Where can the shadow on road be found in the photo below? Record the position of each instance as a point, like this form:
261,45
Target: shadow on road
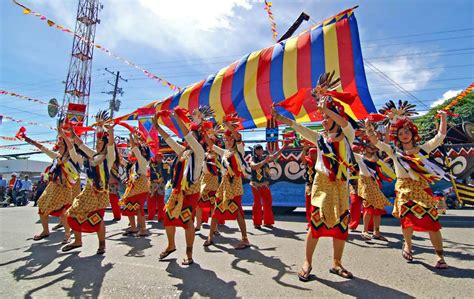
255,255
362,288
201,282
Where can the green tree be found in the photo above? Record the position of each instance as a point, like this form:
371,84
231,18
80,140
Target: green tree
427,124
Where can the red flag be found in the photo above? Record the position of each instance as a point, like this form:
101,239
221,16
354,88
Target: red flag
21,133
375,117
293,104
344,97
183,114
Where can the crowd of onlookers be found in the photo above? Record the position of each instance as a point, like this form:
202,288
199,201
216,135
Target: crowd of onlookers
20,190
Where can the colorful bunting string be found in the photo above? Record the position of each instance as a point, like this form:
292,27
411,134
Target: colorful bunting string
26,122
15,139
14,94
29,11
14,148
268,8
459,97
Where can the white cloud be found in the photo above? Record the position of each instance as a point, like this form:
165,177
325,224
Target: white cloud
447,95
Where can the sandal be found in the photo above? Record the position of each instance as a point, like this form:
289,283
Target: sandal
187,261
242,245
304,275
129,233
341,271
406,254
146,234
366,236
40,237
70,247
100,251
208,243
380,238
165,253
66,240
441,264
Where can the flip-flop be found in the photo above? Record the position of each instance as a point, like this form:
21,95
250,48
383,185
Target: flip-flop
187,261
66,240
40,237
70,247
380,238
100,251
242,245
144,235
165,253
441,264
208,243
406,254
341,272
304,275
129,233
365,236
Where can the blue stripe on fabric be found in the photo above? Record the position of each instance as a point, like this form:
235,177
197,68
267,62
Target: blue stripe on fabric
238,82
360,78
276,78
318,65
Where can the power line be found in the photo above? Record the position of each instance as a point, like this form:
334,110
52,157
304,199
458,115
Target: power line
421,90
417,34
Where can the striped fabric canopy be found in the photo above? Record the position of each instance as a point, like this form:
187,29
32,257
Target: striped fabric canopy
251,84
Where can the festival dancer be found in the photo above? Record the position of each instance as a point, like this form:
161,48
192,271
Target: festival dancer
158,178
86,215
414,202
138,187
335,161
63,174
260,184
308,159
115,181
229,193
209,183
181,206
369,185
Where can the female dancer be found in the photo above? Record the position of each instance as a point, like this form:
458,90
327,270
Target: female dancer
414,202
138,187
181,206
87,211
158,178
369,185
330,192
63,175
229,193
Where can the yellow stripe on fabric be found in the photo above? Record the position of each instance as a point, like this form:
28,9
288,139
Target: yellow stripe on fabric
215,95
184,99
342,170
250,90
290,75
157,109
331,59
102,175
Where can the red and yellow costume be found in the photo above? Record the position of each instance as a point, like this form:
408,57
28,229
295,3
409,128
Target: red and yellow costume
181,206
414,202
88,208
156,200
330,193
229,193
63,186
138,186
209,186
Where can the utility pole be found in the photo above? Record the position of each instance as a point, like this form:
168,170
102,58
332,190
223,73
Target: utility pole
114,103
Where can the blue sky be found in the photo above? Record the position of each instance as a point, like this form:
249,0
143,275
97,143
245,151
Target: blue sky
184,41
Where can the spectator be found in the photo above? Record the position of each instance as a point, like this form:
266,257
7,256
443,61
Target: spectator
40,188
11,187
3,187
25,189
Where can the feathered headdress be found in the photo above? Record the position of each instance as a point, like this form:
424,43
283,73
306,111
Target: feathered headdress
393,113
101,118
202,113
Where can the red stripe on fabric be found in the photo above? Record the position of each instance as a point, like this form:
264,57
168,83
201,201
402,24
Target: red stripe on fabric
263,81
194,96
346,66
226,90
304,71
166,120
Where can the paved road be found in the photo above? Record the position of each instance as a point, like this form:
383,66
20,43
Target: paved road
130,268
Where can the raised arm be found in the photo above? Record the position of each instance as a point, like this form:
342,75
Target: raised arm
87,150
307,133
42,148
182,126
341,121
375,141
432,144
178,149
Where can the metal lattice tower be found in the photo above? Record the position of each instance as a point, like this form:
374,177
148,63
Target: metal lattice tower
78,80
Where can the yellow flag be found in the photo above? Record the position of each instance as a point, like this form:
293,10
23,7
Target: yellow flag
26,11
